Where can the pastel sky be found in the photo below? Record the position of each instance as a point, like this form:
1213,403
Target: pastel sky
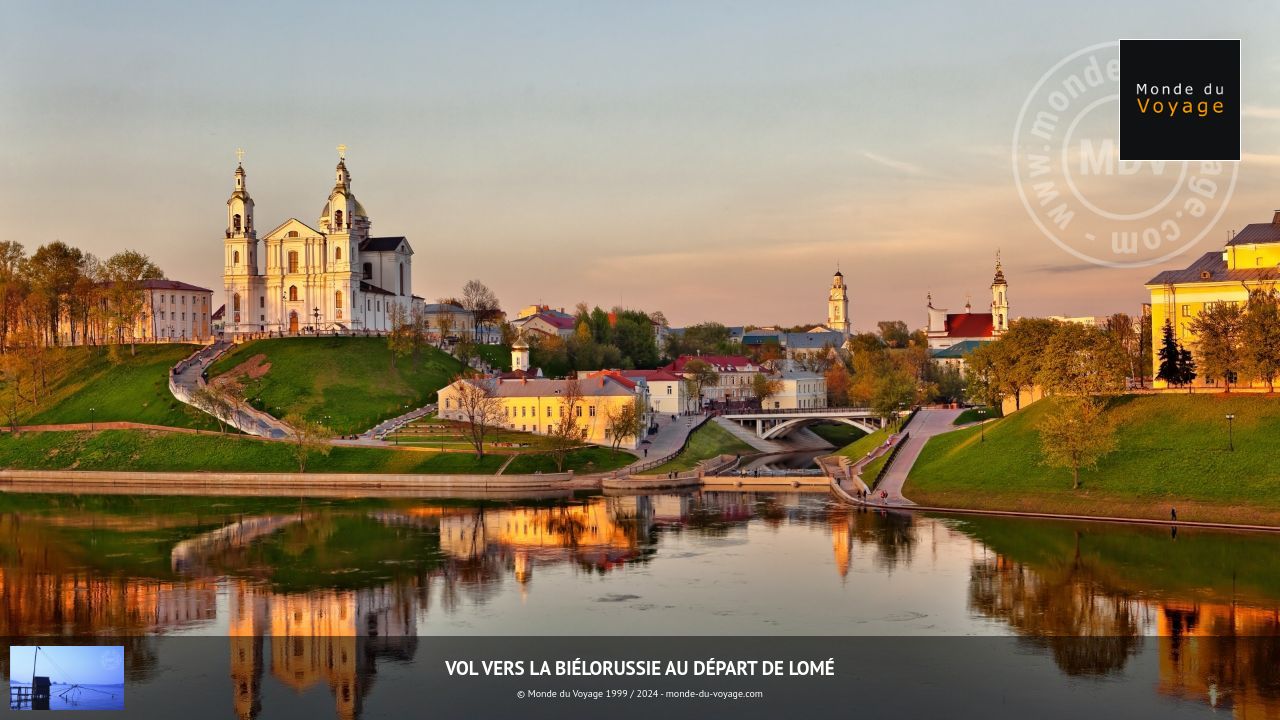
76,664
714,160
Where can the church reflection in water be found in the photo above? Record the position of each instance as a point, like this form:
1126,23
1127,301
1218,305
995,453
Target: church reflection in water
299,610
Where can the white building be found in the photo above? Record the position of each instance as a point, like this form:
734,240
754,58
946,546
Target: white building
800,389
333,277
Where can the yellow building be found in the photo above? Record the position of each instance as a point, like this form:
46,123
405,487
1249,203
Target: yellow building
537,404
1248,261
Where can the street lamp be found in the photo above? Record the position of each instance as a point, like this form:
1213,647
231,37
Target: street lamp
1231,445
315,326
91,419
982,426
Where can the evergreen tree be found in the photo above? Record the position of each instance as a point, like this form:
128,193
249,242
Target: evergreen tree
1170,357
1186,371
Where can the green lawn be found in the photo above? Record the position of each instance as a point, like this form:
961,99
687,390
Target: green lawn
347,384
838,434
864,445
585,460
873,467
972,415
89,386
159,451
498,356
1171,451
707,441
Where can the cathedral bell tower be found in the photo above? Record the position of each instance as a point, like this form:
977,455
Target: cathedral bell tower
999,301
838,305
241,242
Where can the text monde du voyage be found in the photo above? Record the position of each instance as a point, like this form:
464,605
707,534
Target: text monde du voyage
579,667
1180,99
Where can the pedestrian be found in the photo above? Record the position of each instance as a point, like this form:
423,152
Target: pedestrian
1173,513
646,452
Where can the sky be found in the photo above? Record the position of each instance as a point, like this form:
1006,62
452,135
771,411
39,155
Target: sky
75,664
712,160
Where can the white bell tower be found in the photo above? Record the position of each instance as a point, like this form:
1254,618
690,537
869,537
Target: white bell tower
999,301
838,305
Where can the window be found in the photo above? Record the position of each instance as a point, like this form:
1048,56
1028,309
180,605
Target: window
293,261
235,222
401,278
579,410
262,301
337,219
235,258
1186,311
337,253
293,293
235,302
548,411
337,299
367,271
591,411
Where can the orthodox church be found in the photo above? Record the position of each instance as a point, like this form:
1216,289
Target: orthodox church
968,328
331,277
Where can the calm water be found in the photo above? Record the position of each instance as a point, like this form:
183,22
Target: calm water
711,563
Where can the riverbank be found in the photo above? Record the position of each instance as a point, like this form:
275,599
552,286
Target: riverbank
1172,451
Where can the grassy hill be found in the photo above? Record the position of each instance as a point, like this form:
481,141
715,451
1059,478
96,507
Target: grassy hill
1171,451
132,388
347,384
706,442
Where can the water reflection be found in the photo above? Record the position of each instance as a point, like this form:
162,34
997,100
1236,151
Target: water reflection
318,594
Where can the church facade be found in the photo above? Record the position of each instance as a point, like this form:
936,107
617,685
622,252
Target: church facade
946,329
334,277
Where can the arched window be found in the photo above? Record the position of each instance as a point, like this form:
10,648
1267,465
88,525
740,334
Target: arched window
368,271
235,257
337,219
235,302
293,261
293,293
337,253
337,299
235,222
401,278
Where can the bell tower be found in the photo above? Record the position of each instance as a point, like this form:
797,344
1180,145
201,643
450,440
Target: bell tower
999,301
241,242
838,305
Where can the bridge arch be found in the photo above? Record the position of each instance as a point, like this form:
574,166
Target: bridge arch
785,428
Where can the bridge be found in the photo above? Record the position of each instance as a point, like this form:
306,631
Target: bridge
772,424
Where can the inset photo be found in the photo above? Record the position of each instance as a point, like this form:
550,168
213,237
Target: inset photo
66,677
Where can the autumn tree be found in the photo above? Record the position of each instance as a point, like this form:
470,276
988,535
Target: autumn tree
624,421
479,408
1081,360
1219,347
565,433
698,376
212,402
123,275
837,377
1260,336
764,387
1076,435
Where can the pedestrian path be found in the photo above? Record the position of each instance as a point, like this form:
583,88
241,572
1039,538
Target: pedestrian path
189,375
669,439
926,423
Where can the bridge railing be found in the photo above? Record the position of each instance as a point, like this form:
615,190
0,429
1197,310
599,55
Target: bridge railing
802,411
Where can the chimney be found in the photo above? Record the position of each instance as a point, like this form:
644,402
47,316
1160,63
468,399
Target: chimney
1275,219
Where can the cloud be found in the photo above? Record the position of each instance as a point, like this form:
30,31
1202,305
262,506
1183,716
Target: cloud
900,165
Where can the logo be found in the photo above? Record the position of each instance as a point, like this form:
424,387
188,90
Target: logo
1082,196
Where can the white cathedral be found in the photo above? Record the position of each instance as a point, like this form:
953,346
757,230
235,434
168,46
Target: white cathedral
336,278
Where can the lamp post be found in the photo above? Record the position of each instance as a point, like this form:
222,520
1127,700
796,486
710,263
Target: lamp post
315,326
91,419
982,426
1231,445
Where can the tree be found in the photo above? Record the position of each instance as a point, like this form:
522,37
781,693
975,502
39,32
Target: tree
627,420
13,288
981,383
894,333
1081,360
837,385
309,438
213,403
1260,336
1218,347
698,375
764,387
54,270
479,407
1170,356
1186,367
1120,327
126,297
1075,435
565,433
894,391
481,302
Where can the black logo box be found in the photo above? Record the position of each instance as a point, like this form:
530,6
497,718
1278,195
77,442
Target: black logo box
1187,68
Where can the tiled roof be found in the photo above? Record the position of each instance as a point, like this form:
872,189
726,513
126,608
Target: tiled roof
813,340
958,350
382,244
720,362
1258,233
603,386
1210,267
658,375
556,320
969,325
172,285
217,314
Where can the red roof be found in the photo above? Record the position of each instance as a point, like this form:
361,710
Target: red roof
969,325
719,362
612,375
658,375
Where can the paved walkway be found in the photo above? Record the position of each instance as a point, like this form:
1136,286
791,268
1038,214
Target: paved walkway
669,438
926,423
188,376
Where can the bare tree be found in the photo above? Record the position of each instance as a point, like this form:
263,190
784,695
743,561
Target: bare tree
481,302
624,422
566,433
309,438
214,403
479,408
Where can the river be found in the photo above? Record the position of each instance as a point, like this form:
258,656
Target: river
702,563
